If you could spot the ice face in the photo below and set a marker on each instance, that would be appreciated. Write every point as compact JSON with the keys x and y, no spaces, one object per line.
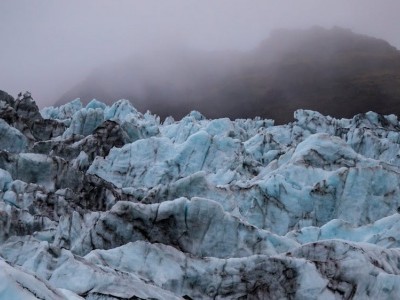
{"x":104,"y":202}
{"x":84,"y":122}
{"x":198,"y":226}
{"x":17,"y":284}
{"x":11,"y":139}
{"x":63,"y":112}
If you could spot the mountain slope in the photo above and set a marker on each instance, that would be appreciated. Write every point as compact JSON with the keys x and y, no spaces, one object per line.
{"x":334,"y":71}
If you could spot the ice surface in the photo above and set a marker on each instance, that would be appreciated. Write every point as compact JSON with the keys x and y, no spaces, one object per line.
{"x":11,"y":139}
{"x":63,"y":112}
{"x":17,"y":284}
{"x":104,"y":202}
{"x":198,"y":226}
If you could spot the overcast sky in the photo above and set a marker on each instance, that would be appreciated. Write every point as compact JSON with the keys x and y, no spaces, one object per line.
{"x":48,"y":46}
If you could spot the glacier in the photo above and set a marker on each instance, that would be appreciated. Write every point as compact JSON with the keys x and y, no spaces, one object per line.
{"x":105,"y":202}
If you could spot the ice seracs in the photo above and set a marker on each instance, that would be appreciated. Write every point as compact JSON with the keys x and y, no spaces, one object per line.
{"x":104,"y":202}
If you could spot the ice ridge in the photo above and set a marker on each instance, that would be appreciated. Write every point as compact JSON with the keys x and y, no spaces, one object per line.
{"x":104,"y":202}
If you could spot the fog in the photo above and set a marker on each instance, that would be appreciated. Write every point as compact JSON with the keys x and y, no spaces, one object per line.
{"x":48,"y":47}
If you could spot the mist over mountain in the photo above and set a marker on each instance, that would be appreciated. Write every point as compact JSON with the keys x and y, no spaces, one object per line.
{"x":335,"y":71}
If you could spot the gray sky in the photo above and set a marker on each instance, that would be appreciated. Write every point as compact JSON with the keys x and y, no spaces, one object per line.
{"x":47,"y":46}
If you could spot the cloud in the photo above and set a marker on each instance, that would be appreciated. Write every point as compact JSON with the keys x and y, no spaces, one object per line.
{"x":48,"y":46}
